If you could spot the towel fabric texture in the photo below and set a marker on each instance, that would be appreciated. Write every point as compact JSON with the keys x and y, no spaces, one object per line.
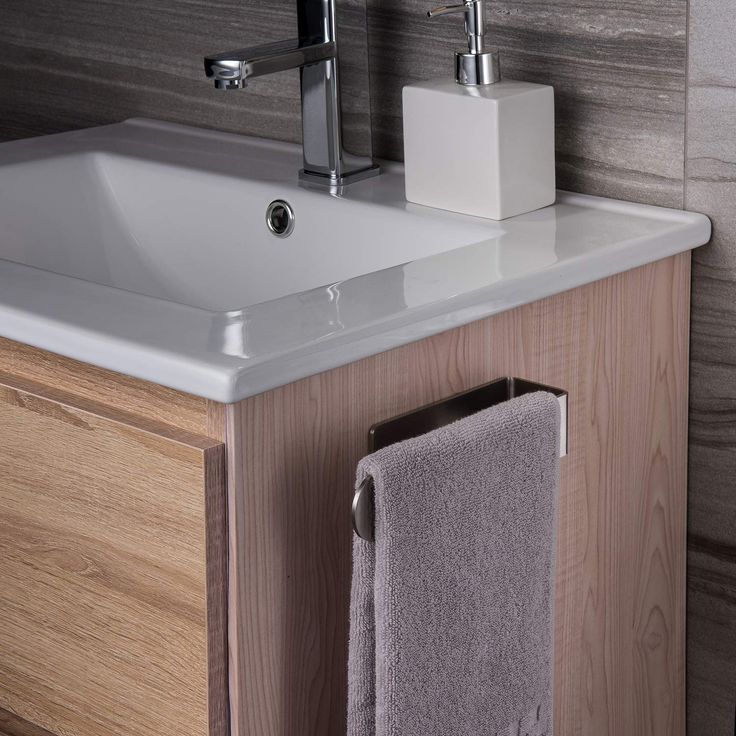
{"x":451,"y":606}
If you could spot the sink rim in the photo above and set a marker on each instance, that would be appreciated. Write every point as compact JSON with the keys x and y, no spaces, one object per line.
{"x":198,"y":351}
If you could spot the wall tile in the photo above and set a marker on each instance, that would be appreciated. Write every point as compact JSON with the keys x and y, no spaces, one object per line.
{"x":711,"y":188}
{"x":67,"y":64}
{"x":711,"y":639}
{"x":712,"y":50}
{"x":618,"y":69}
{"x":73,"y":64}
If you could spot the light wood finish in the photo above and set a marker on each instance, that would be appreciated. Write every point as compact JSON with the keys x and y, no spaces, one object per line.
{"x":11,"y":725}
{"x":112,"y":559}
{"x":620,"y":346}
{"x":142,"y":398}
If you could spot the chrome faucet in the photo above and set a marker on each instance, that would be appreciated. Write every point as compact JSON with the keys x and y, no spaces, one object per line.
{"x":315,"y":54}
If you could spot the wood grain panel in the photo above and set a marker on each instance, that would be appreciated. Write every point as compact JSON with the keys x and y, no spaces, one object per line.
{"x":620,"y":347}
{"x":11,"y":725}
{"x":115,"y":390}
{"x":112,"y":557}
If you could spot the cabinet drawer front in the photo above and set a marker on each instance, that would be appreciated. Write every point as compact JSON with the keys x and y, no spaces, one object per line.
{"x":111,"y":569}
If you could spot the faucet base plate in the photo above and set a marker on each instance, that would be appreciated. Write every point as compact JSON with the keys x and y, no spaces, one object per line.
{"x":337,"y":182}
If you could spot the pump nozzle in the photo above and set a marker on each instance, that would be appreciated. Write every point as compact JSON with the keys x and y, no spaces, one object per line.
{"x":476,"y":66}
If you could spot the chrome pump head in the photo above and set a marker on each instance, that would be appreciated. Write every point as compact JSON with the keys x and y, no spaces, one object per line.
{"x":476,"y":66}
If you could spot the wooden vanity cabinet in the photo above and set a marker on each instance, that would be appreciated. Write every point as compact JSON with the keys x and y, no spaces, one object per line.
{"x":619,"y":346}
{"x":112,"y":500}
{"x":112,"y":578}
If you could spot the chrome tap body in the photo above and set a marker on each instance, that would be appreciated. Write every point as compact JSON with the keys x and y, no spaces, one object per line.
{"x":315,"y":54}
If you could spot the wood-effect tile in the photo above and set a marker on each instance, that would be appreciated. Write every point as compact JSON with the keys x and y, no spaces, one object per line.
{"x":67,"y":65}
{"x":711,"y":188}
{"x":711,"y":616}
{"x":618,"y":69}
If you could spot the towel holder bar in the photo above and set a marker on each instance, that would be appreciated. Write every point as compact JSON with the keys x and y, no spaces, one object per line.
{"x":438,"y":414}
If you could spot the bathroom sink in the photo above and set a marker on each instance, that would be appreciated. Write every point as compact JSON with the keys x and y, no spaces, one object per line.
{"x":189,"y":225}
{"x":143,"y":247}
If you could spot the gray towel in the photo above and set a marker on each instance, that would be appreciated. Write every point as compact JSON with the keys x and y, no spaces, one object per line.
{"x":451,"y":610}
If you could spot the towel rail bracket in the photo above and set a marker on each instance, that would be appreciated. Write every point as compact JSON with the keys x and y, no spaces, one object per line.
{"x":439,"y":414}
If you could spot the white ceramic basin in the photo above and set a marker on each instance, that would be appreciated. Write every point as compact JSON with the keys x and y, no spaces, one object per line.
{"x":142,"y":247}
{"x":163,"y":227}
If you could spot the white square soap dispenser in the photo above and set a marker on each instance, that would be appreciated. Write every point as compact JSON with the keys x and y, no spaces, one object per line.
{"x":479,"y":145}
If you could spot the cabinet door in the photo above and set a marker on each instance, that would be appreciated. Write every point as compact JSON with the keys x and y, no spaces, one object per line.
{"x":112,"y":572}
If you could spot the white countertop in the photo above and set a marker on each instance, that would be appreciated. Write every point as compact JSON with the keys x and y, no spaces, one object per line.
{"x":232,"y":354}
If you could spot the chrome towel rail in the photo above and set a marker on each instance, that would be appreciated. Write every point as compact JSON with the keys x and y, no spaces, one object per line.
{"x":438,"y":414}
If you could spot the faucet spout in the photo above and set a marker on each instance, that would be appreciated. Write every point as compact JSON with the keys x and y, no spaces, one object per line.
{"x":233,"y":69}
{"x":327,"y":160}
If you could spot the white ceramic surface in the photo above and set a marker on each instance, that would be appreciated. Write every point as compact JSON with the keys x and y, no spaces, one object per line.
{"x":486,"y":151}
{"x":142,"y":247}
{"x":198,"y":236}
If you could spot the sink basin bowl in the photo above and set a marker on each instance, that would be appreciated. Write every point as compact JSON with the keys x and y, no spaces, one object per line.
{"x":143,"y":247}
{"x":189,"y":225}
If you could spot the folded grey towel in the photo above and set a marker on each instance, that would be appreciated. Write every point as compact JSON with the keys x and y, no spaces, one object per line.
{"x":451,"y":610}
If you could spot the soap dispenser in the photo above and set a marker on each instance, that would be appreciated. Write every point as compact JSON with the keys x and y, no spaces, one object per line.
{"x":477,"y":144}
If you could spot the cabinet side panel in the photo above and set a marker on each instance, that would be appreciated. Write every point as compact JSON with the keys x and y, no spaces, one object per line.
{"x":619,"y":346}
{"x":216,"y":553}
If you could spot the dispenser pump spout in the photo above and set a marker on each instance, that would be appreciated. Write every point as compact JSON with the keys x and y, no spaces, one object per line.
{"x":476,"y":66}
